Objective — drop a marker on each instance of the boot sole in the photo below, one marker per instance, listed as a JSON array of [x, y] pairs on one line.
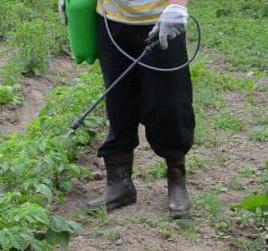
[[122, 203], [179, 214]]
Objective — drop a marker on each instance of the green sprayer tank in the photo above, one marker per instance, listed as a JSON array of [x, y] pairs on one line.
[[81, 16]]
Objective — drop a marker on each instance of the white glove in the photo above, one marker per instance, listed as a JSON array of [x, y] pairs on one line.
[[171, 24], [62, 11]]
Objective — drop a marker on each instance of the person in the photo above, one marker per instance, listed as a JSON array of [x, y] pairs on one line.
[[161, 101]]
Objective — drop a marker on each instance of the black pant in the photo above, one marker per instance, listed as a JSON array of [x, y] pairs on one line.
[[162, 102]]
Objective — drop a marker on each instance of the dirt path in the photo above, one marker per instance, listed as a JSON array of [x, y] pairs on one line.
[[61, 71]]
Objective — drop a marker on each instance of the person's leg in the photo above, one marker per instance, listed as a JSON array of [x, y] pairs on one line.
[[123, 104], [123, 107], [169, 118], [167, 106]]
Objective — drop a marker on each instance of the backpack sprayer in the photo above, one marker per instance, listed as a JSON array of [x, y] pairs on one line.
[[81, 16]]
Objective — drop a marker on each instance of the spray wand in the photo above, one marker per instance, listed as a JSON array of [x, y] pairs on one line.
[[148, 49], [79, 121]]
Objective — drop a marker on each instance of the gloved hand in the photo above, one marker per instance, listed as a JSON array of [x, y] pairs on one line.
[[62, 11], [171, 24]]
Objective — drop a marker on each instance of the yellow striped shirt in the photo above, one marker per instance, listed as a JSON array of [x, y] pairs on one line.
[[133, 11]]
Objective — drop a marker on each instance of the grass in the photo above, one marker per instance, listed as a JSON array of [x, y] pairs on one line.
[[246, 171], [8, 95], [229, 121], [210, 202], [188, 228], [250, 245], [196, 162], [259, 133], [234, 28], [234, 183], [150, 174]]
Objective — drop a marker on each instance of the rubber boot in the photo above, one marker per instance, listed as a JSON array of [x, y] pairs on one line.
[[120, 189], [178, 196]]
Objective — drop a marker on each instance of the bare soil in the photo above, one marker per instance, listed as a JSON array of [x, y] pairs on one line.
[[61, 71]]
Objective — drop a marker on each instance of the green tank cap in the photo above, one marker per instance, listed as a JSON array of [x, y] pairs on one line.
[[81, 16]]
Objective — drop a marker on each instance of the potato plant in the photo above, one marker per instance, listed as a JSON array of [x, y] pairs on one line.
[[36, 166], [32, 36]]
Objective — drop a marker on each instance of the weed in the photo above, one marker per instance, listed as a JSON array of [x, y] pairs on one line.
[[8, 95], [210, 202], [231, 27], [101, 215], [202, 127], [222, 157], [243, 218], [224, 225], [246, 171], [234, 183], [130, 220], [157, 171], [113, 234], [164, 229], [196, 161], [262, 119], [259, 133], [10, 73], [219, 189], [243, 243], [188, 228], [229, 121]]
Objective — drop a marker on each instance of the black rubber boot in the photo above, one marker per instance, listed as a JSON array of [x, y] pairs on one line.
[[120, 189], [178, 196]]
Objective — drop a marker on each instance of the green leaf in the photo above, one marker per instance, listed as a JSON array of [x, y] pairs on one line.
[[75, 170], [78, 170], [74, 227], [58, 224], [4, 241], [45, 190], [266, 164], [253, 202], [41, 246], [58, 238], [34, 213], [18, 242], [27, 235], [66, 185]]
